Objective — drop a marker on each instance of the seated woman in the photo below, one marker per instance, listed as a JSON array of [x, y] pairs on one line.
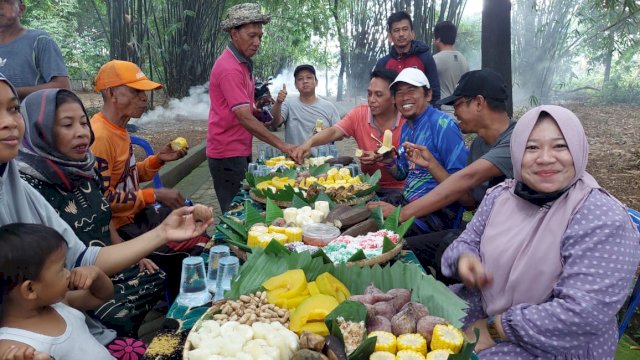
[[548, 258], [19, 202], [55, 159]]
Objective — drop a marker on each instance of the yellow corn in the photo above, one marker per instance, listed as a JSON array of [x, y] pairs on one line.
[[385, 341], [413, 342], [439, 354], [446, 337], [409, 355], [382, 355]]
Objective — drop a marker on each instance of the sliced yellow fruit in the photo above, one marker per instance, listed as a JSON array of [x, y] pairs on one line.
[[294, 281], [317, 327]]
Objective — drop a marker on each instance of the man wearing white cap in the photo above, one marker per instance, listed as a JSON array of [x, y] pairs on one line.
[[427, 128], [232, 124]]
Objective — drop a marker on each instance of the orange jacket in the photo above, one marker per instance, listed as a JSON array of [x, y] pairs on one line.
[[121, 173]]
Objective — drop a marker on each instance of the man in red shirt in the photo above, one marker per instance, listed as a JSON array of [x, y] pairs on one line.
[[365, 124], [232, 124], [407, 52]]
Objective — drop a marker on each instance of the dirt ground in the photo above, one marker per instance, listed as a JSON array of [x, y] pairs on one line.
[[613, 131]]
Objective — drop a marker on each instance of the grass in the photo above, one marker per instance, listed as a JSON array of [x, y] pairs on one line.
[[624, 352]]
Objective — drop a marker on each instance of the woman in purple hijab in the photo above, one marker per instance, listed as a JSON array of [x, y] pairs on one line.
[[549, 256]]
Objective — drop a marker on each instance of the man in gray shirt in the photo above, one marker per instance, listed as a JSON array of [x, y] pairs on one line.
[[301, 114], [29, 58], [451, 64]]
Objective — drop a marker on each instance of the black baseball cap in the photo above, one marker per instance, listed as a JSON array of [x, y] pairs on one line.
[[304, 67], [485, 82]]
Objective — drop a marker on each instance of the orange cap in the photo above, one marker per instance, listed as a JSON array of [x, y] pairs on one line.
[[118, 72]]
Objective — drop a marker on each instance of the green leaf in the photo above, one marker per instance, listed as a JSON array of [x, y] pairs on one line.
[[359, 255], [233, 238], [321, 254], [349, 310], [276, 248], [273, 211], [387, 245], [234, 225], [391, 223], [297, 202], [364, 350], [318, 170], [467, 349], [250, 179], [405, 226], [377, 216], [253, 216], [374, 179]]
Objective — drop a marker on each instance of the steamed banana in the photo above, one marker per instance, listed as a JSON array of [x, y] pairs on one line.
[[387, 142]]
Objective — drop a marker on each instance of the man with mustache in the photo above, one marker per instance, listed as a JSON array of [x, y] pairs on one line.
[[407, 52]]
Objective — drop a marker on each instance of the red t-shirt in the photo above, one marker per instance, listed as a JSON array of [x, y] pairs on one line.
[[230, 86], [359, 125]]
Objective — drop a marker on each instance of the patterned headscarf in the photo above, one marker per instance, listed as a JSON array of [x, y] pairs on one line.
[[38, 155]]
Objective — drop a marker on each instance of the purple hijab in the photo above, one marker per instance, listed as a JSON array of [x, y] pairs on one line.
[[522, 242]]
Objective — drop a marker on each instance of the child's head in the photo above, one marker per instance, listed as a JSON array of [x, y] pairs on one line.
[[32, 263], [11, 123]]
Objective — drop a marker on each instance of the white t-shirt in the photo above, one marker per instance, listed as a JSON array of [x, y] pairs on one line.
[[76, 342], [300, 118]]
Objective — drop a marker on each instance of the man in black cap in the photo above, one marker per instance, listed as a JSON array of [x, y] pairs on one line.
[[306, 114], [480, 104]]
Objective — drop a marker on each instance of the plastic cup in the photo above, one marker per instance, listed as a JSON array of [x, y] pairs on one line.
[[227, 269], [262, 153], [355, 170], [193, 283], [215, 254], [252, 167], [333, 150]]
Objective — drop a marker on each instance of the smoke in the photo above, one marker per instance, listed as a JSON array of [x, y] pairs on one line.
[[192, 107], [325, 77]]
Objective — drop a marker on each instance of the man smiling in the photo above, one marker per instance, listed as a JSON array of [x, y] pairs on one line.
[[433, 130]]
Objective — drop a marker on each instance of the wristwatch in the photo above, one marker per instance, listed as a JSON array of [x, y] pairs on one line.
[[493, 330]]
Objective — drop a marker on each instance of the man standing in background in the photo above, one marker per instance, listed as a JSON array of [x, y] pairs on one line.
[[301, 114], [450, 62], [232, 124], [407, 52], [29, 58]]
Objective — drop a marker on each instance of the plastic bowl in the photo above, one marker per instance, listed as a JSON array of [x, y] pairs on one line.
[[319, 234]]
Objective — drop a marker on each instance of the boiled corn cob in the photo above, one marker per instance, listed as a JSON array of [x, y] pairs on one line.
[[413, 342], [438, 354], [409, 355], [446, 337], [382, 355], [385, 341]]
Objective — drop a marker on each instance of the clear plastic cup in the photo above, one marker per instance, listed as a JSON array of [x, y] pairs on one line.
[[252, 167], [227, 269], [333, 150], [215, 255], [193, 283]]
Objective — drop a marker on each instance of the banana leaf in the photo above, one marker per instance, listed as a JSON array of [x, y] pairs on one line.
[[253, 216], [298, 202], [319, 170], [359, 255], [276, 248], [356, 312], [440, 301], [237, 227], [272, 212], [377, 216], [233, 238]]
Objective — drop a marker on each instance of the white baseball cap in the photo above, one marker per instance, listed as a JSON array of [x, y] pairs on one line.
[[412, 76]]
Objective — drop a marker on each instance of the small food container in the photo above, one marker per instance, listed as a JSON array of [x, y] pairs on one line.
[[319, 234]]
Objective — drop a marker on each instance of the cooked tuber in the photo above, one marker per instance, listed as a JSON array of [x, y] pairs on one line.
[[370, 298], [202, 213], [384, 308], [281, 222], [372, 289], [400, 297], [378, 323], [309, 340], [418, 310], [426, 324], [306, 354], [403, 323]]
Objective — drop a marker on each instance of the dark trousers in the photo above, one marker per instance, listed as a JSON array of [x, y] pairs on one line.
[[227, 175], [429, 248]]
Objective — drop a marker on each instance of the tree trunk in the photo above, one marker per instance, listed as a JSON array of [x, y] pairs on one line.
[[496, 42], [343, 49], [608, 56]]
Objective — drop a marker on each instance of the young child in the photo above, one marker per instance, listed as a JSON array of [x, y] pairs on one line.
[[39, 296]]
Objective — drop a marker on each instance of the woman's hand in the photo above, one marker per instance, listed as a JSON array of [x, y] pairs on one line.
[[472, 273], [180, 225], [418, 154], [147, 264]]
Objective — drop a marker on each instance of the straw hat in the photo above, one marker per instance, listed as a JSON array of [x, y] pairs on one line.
[[246, 13]]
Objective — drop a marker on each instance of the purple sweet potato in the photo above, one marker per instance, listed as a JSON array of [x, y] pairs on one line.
[[372, 289], [403, 323], [378, 323], [418, 310], [384, 308], [400, 297], [426, 324], [370, 298]]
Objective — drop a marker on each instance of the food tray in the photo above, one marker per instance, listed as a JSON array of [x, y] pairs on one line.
[[216, 306], [285, 204]]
